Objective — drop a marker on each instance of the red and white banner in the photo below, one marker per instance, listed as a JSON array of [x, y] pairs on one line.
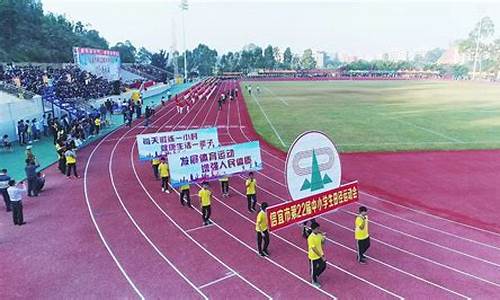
[[288, 213]]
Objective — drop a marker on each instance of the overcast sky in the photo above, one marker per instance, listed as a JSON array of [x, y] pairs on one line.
[[364, 28]]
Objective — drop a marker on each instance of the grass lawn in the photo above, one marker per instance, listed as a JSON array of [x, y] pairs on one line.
[[380, 115]]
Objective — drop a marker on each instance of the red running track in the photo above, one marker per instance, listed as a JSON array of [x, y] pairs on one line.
[[148, 245]]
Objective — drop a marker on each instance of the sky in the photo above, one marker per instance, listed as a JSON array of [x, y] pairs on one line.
[[362, 28]]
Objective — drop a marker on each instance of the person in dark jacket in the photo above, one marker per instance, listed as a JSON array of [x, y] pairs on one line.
[[30, 169], [4, 185]]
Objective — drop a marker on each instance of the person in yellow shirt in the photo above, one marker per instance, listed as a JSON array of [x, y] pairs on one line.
[[224, 184], [251, 185], [361, 234], [262, 232], [97, 123], [184, 195], [164, 175], [70, 155], [205, 203], [154, 163], [315, 253]]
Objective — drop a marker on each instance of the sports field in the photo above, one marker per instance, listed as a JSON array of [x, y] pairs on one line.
[[379, 115]]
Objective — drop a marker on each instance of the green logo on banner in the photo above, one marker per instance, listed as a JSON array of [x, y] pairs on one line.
[[317, 181]]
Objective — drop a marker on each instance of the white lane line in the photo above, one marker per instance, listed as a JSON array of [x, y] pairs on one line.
[[216, 281], [394, 203], [276, 96], [151, 198], [200, 227], [101, 236], [431, 215], [269, 121], [132, 219], [430, 228], [426, 129]]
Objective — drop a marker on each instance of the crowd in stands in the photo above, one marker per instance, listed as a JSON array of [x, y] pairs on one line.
[[69, 81], [151, 71]]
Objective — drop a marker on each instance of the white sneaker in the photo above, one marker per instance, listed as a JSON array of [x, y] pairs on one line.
[[162, 189], [167, 191]]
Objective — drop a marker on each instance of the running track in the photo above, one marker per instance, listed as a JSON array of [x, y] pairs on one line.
[[136, 242]]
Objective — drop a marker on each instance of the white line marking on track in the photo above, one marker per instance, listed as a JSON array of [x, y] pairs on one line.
[[276, 96], [426, 129], [200, 227], [216, 281], [101, 236], [269, 121]]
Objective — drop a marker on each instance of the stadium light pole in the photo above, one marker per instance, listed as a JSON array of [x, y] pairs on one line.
[[184, 7], [476, 54]]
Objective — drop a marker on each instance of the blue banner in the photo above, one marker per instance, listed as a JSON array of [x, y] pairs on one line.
[[102, 63], [158, 144], [211, 164]]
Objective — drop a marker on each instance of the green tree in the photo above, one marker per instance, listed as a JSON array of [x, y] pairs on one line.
[[269, 60], [127, 51], [143, 56], [307, 61], [203, 60], [287, 58], [160, 59]]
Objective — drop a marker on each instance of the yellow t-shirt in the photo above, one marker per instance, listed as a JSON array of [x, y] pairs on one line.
[[155, 161], [185, 187], [163, 169], [70, 160], [316, 241], [97, 122], [262, 218], [205, 197], [361, 234], [251, 185]]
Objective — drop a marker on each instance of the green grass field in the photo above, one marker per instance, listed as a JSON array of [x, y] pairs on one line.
[[380, 115]]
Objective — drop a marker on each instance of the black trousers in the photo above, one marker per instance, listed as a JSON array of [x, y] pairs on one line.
[[164, 183], [262, 236], [32, 187], [17, 212], [206, 211], [68, 169], [6, 199], [363, 245], [317, 266], [251, 201], [155, 171], [184, 196], [62, 165], [225, 187]]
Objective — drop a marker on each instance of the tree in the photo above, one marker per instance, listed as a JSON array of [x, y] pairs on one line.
[[432, 56], [160, 59], [287, 58], [127, 51], [307, 61], [482, 30], [203, 60], [143, 56], [277, 57], [269, 61]]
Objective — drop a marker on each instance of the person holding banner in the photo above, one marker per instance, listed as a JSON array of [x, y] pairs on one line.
[[315, 253], [184, 194], [155, 162], [251, 185], [224, 184], [164, 174], [361, 234], [262, 232], [205, 202]]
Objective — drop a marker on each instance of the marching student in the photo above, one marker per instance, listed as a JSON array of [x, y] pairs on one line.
[[361, 234], [224, 185], [315, 253], [184, 195], [205, 203], [262, 231], [154, 163], [70, 155], [164, 174], [16, 197], [251, 185]]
